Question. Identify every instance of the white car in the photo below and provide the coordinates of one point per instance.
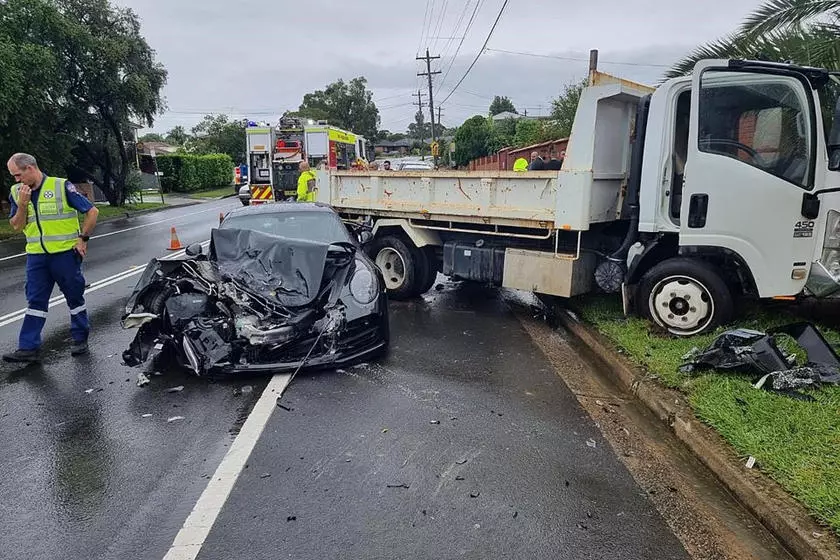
(414, 166)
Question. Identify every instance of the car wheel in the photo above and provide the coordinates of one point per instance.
(428, 253)
(403, 266)
(685, 297)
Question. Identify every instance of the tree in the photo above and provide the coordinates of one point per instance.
(93, 75)
(151, 137)
(563, 110)
(178, 136)
(806, 32)
(345, 105)
(471, 140)
(501, 105)
(528, 132)
(502, 134)
(217, 134)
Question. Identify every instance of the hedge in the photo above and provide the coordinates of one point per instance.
(188, 172)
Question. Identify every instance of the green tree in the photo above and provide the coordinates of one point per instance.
(346, 105)
(471, 140)
(93, 75)
(563, 111)
(217, 134)
(502, 134)
(806, 32)
(151, 137)
(501, 105)
(178, 136)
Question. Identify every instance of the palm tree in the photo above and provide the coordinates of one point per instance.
(802, 31)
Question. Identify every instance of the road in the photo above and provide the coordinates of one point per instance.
(463, 443)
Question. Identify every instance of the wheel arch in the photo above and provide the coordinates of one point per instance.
(420, 237)
(729, 262)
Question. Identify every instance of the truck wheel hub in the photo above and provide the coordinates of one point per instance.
(391, 263)
(682, 304)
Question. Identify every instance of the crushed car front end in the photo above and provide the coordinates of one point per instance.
(259, 303)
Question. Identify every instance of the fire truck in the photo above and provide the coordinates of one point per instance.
(275, 153)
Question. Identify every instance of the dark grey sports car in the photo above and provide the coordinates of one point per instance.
(284, 286)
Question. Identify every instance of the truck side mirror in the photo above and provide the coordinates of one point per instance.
(810, 206)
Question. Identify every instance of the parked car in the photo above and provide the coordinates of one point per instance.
(283, 286)
(414, 165)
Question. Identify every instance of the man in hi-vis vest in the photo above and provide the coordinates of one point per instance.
(47, 209)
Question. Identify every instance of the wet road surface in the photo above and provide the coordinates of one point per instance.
(463, 443)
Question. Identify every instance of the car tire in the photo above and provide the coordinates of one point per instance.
(686, 297)
(404, 267)
(428, 254)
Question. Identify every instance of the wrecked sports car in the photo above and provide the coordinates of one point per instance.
(283, 287)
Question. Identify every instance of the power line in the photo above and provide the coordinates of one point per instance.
(455, 36)
(466, 32)
(480, 51)
(439, 22)
(571, 58)
(423, 29)
(428, 73)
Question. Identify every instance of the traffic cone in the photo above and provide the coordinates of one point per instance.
(174, 243)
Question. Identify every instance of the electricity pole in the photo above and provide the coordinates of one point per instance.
(428, 73)
(420, 105)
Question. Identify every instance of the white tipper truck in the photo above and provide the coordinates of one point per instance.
(684, 198)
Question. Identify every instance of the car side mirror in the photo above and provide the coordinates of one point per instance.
(193, 250)
(365, 237)
(810, 206)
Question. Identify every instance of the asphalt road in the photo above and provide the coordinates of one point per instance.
(462, 443)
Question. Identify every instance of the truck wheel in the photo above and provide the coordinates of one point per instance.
(428, 253)
(685, 297)
(404, 267)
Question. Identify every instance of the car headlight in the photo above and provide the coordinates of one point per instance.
(363, 286)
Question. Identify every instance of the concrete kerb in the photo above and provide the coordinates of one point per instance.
(776, 509)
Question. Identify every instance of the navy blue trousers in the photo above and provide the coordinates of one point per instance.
(43, 272)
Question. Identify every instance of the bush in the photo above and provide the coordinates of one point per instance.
(188, 172)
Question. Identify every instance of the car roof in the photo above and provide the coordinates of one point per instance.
(280, 207)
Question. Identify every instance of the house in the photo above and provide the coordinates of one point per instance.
(145, 151)
(400, 147)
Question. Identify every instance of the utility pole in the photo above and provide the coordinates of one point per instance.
(420, 105)
(428, 73)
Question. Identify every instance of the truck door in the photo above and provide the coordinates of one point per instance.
(751, 155)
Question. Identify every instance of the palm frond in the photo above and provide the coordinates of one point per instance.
(775, 15)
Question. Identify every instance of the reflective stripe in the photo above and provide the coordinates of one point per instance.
(49, 238)
(77, 310)
(55, 217)
(37, 313)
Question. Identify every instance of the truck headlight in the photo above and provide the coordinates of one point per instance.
(832, 230)
(363, 286)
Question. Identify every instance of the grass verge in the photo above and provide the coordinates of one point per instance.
(214, 193)
(795, 442)
(105, 213)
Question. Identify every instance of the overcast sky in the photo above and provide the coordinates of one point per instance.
(257, 58)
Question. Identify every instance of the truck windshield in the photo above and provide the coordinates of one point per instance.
(829, 94)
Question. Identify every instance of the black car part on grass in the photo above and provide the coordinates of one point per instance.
(758, 353)
(257, 303)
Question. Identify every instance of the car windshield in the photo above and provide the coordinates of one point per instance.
(323, 227)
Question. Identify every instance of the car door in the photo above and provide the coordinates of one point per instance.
(751, 156)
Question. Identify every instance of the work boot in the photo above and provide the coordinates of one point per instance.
(79, 348)
(22, 357)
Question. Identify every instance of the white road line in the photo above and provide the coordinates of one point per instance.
(169, 220)
(193, 534)
(58, 300)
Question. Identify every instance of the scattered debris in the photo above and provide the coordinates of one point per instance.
(175, 419)
(142, 380)
(177, 389)
(817, 535)
(475, 495)
(515, 514)
(439, 287)
(476, 526)
(397, 486)
(283, 406)
(88, 391)
(247, 389)
(434, 421)
(567, 484)
(461, 462)
(384, 430)
(591, 443)
(265, 475)
(459, 478)
(291, 518)
(758, 353)
(750, 462)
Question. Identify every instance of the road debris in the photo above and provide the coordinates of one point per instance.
(461, 462)
(175, 419)
(750, 462)
(146, 416)
(434, 421)
(475, 494)
(591, 443)
(142, 380)
(247, 389)
(265, 475)
(459, 478)
(291, 518)
(88, 391)
(397, 486)
(177, 389)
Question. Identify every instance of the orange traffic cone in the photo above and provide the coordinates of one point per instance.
(174, 243)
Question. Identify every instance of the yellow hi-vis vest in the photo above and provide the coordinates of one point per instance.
(520, 165)
(55, 227)
(303, 193)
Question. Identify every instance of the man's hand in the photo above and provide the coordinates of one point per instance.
(25, 195)
(81, 248)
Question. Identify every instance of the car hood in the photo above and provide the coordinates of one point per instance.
(283, 270)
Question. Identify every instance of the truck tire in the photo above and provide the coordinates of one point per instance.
(685, 297)
(404, 267)
(428, 254)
